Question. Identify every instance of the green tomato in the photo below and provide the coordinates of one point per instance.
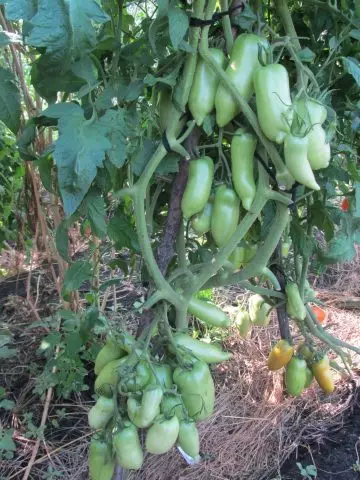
(127, 447)
(250, 252)
(318, 150)
(198, 187)
(237, 258)
(109, 377)
(295, 152)
(101, 413)
(273, 101)
(244, 59)
(137, 380)
(243, 147)
(204, 87)
(208, 313)
(142, 414)
(207, 352)
(294, 306)
(161, 374)
(101, 462)
(172, 404)
(110, 351)
(225, 216)
(162, 435)
(201, 222)
(285, 248)
(259, 310)
(243, 323)
(295, 376)
(188, 438)
(197, 389)
(310, 111)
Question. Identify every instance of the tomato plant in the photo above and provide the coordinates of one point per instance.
(201, 156)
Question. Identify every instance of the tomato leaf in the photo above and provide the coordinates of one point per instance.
(352, 66)
(78, 273)
(178, 25)
(9, 100)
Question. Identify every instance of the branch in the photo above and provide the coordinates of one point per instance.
(166, 249)
(281, 309)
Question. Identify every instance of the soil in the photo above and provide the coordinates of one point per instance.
(336, 457)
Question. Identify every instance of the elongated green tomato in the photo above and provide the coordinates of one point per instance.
(164, 108)
(208, 313)
(243, 323)
(280, 355)
(310, 111)
(142, 414)
(243, 147)
(127, 447)
(137, 380)
(237, 258)
(100, 414)
(201, 222)
(259, 310)
(162, 435)
(273, 101)
(188, 438)
(242, 64)
(309, 377)
(204, 87)
(295, 152)
(318, 150)
(225, 216)
(198, 187)
(197, 388)
(172, 404)
(250, 252)
(207, 352)
(285, 248)
(295, 306)
(295, 376)
(101, 462)
(110, 351)
(109, 377)
(161, 374)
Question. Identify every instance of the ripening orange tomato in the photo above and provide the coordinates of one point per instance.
(319, 312)
(345, 205)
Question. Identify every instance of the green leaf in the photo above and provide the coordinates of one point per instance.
(163, 7)
(45, 166)
(169, 164)
(340, 249)
(6, 441)
(79, 151)
(122, 232)
(96, 212)
(6, 352)
(78, 273)
(306, 55)
(138, 163)
(114, 122)
(19, 9)
(90, 320)
(7, 404)
(352, 66)
(73, 344)
(355, 34)
(110, 283)
(245, 19)
(10, 108)
(62, 240)
(178, 25)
